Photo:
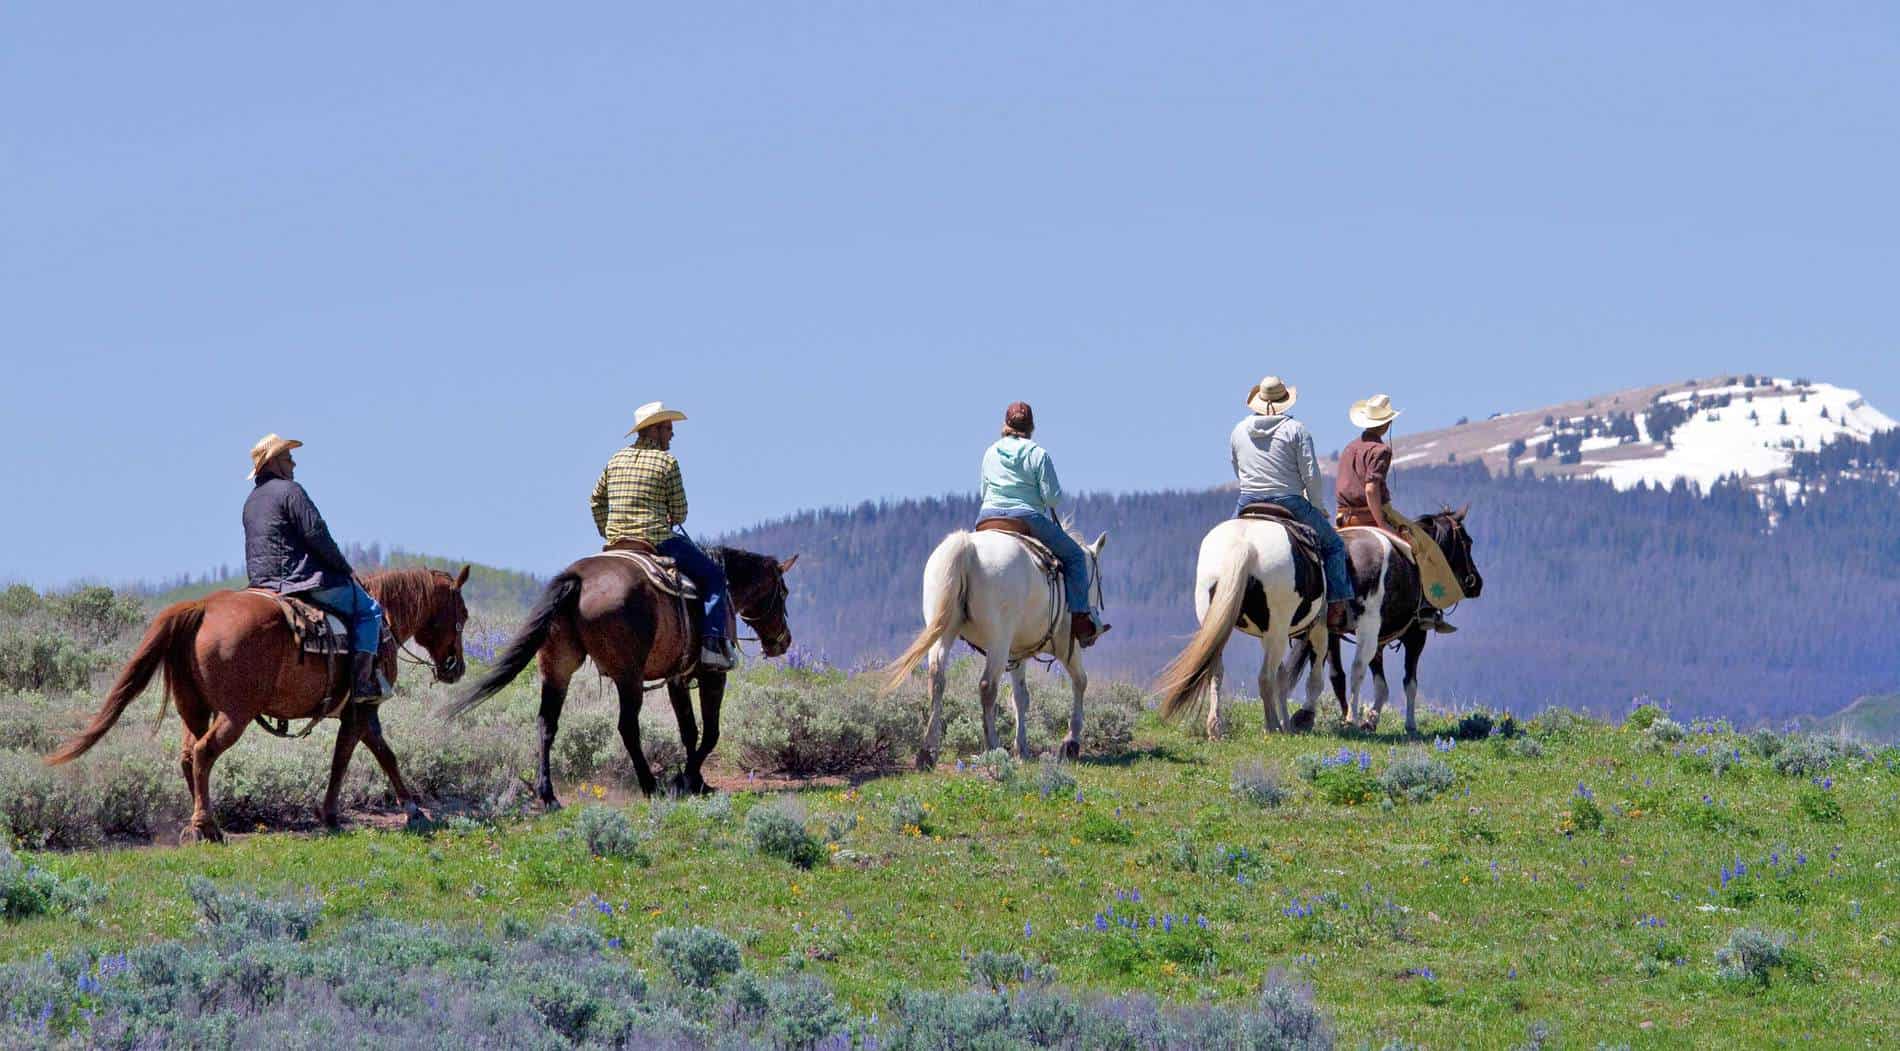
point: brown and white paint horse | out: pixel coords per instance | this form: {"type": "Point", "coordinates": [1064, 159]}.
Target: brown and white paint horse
{"type": "Point", "coordinates": [1386, 581]}
{"type": "Point", "coordinates": [229, 658]}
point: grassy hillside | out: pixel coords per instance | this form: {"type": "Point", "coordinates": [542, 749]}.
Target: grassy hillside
{"type": "Point", "coordinates": [1576, 876]}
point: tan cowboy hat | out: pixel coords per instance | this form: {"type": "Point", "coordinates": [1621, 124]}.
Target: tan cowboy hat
{"type": "Point", "coordinates": [1376, 411]}
{"type": "Point", "coordinates": [651, 413]}
{"type": "Point", "coordinates": [267, 447]}
{"type": "Point", "coordinates": [1270, 397]}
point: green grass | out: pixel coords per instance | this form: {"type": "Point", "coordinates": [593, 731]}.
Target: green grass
{"type": "Point", "coordinates": [1514, 919]}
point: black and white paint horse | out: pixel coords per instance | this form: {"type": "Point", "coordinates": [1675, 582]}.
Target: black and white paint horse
{"type": "Point", "coordinates": [1253, 577]}
{"type": "Point", "coordinates": [1386, 580]}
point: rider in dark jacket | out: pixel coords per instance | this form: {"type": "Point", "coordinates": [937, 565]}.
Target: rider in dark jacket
{"type": "Point", "coordinates": [288, 549]}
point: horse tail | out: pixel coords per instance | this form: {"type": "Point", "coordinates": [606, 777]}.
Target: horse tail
{"type": "Point", "coordinates": [1190, 673]}
{"type": "Point", "coordinates": [949, 572]}
{"type": "Point", "coordinates": [167, 644]}
{"type": "Point", "coordinates": [561, 597]}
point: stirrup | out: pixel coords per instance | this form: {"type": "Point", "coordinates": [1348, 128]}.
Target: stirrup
{"type": "Point", "coordinates": [716, 655]}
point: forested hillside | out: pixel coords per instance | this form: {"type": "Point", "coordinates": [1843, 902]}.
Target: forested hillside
{"type": "Point", "coordinates": [1592, 596]}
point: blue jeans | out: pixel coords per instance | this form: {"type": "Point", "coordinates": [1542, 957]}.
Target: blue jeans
{"type": "Point", "coordinates": [360, 611]}
{"type": "Point", "coordinates": [707, 576]}
{"type": "Point", "coordinates": [1332, 547]}
{"type": "Point", "coordinates": [1075, 561]}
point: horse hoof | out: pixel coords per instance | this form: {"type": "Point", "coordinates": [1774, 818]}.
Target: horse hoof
{"type": "Point", "coordinates": [195, 834]}
{"type": "Point", "coordinates": [1071, 749]}
{"type": "Point", "coordinates": [1303, 720]}
{"type": "Point", "coordinates": [417, 821]}
{"type": "Point", "coordinates": [331, 822]}
{"type": "Point", "coordinates": [549, 803]}
{"type": "Point", "coordinates": [926, 762]}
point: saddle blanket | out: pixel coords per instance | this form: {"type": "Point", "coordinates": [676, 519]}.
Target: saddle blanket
{"type": "Point", "coordinates": [1305, 541]}
{"type": "Point", "coordinates": [659, 569]}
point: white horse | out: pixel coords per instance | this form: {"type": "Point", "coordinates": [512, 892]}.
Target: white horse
{"type": "Point", "coordinates": [1249, 577]}
{"type": "Point", "coordinates": [986, 588]}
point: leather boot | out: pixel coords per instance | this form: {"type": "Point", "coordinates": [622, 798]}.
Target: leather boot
{"type": "Point", "coordinates": [1337, 614]}
{"type": "Point", "coordinates": [1084, 630]}
{"type": "Point", "coordinates": [368, 688]}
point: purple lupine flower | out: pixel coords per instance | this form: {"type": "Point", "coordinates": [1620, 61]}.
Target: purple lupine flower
{"type": "Point", "coordinates": [1202, 920]}
{"type": "Point", "coordinates": [1101, 922]}
{"type": "Point", "coordinates": [1028, 931]}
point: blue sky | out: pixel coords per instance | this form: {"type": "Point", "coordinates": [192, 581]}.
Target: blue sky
{"type": "Point", "coordinates": [452, 246]}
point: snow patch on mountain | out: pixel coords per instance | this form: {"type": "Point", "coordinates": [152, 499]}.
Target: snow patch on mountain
{"type": "Point", "coordinates": [1756, 434]}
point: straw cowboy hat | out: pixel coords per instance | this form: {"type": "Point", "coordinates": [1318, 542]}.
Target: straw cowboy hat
{"type": "Point", "coordinates": [267, 447]}
{"type": "Point", "coordinates": [651, 413]}
{"type": "Point", "coordinates": [1376, 411]}
{"type": "Point", "coordinates": [1270, 397]}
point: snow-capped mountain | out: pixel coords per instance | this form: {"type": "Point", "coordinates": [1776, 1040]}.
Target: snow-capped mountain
{"type": "Point", "coordinates": [1699, 430]}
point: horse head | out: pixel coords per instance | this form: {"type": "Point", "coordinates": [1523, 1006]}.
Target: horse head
{"type": "Point", "coordinates": [436, 615]}
{"type": "Point", "coordinates": [758, 590]}
{"type": "Point", "coordinates": [1448, 528]}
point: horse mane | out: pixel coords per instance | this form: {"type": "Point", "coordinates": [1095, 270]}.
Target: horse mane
{"type": "Point", "coordinates": [405, 594]}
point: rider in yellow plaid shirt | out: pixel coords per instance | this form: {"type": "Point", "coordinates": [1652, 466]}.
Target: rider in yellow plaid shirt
{"type": "Point", "coordinates": [640, 497]}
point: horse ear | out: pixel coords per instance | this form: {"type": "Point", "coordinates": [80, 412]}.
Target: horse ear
{"type": "Point", "coordinates": [1100, 543]}
{"type": "Point", "coordinates": [462, 577]}
{"type": "Point", "coordinates": [786, 566]}
{"type": "Point", "coordinates": [1460, 513]}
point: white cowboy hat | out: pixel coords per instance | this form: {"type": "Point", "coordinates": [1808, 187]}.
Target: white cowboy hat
{"type": "Point", "coordinates": [1270, 397]}
{"type": "Point", "coordinates": [267, 447]}
{"type": "Point", "coordinates": [1376, 411]}
{"type": "Point", "coordinates": [651, 413]}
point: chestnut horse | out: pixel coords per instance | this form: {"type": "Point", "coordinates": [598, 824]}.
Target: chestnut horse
{"type": "Point", "coordinates": [607, 607]}
{"type": "Point", "coordinates": [229, 658]}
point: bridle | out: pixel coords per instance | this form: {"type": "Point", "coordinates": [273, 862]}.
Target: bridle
{"type": "Point", "coordinates": [773, 605]}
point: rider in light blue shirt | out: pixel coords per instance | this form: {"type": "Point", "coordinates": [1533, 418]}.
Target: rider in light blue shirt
{"type": "Point", "coordinates": [1019, 481]}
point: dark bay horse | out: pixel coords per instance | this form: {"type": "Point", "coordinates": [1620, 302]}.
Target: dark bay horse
{"type": "Point", "coordinates": [229, 658]}
{"type": "Point", "coordinates": [1386, 579]}
{"type": "Point", "coordinates": [608, 608]}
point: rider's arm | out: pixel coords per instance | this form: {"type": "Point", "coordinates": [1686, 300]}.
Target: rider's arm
{"type": "Point", "coordinates": [675, 495]}
{"type": "Point", "coordinates": [1309, 471]}
{"type": "Point", "coordinates": [316, 534]}
{"type": "Point", "coordinates": [1046, 480]}
{"type": "Point", "coordinates": [1377, 506]}
{"type": "Point", "coordinates": [599, 503]}
{"type": "Point", "coordinates": [1378, 493]}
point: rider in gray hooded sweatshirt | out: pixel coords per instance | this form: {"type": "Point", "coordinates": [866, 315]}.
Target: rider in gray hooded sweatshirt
{"type": "Point", "coordinates": [1273, 458]}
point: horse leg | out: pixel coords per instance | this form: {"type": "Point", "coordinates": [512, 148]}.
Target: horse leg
{"type": "Point", "coordinates": [1380, 691]}
{"type": "Point", "coordinates": [712, 693]}
{"type": "Point", "coordinates": [1363, 652]}
{"type": "Point", "coordinates": [682, 698]}
{"type": "Point", "coordinates": [349, 731]}
{"type": "Point", "coordinates": [1303, 654]}
{"type": "Point", "coordinates": [372, 733]}
{"type": "Point", "coordinates": [1079, 680]}
{"type": "Point", "coordinates": [1414, 643]}
{"type": "Point", "coordinates": [1274, 648]}
{"type": "Point", "coordinates": [1336, 675]}
{"type": "Point", "coordinates": [632, 692]}
{"type": "Point", "coordinates": [1019, 695]}
{"type": "Point", "coordinates": [223, 733]}
{"type": "Point", "coordinates": [939, 665]}
{"type": "Point", "coordinates": [989, 686]}
{"type": "Point", "coordinates": [197, 722]}
{"type": "Point", "coordinates": [557, 667]}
